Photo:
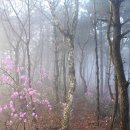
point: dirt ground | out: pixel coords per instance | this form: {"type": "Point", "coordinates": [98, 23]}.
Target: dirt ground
{"type": "Point", "coordinates": [83, 118]}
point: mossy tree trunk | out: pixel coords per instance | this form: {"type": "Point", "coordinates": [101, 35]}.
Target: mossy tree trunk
{"type": "Point", "coordinates": [68, 33]}
{"type": "Point", "coordinates": [71, 83]}
{"type": "Point", "coordinates": [56, 67]}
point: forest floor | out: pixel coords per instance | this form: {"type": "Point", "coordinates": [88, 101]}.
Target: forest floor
{"type": "Point", "coordinates": [83, 118]}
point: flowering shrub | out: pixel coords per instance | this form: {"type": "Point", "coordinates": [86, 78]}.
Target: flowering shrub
{"type": "Point", "coordinates": [24, 100]}
{"type": "Point", "coordinates": [20, 106]}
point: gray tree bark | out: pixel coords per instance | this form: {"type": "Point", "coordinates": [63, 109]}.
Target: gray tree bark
{"type": "Point", "coordinates": [118, 63]}
{"type": "Point", "coordinates": [101, 58]}
{"type": "Point", "coordinates": [97, 65]}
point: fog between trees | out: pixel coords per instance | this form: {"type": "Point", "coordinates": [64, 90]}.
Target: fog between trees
{"type": "Point", "coordinates": [58, 54]}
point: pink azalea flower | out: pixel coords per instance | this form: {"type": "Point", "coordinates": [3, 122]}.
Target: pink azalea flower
{"type": "Point", "coordinates": [4, 78]}
{"type": "Point", "coordinates": [33, 114]}
{"type": "Point", "coordinates": [25, 120]}
{"type": "Point", "coordinates": [1, 109]}
{"type": "Point", "coordinates": [15, 115]}
{"type": "Point", "coordinates": [5, 107]}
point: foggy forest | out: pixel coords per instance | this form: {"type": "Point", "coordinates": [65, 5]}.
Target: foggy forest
{"type": "Point", "coordinates": [64, 64]}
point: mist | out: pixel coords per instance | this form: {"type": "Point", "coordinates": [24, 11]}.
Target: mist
{"type": "Point", "coordinates": [64, 64]}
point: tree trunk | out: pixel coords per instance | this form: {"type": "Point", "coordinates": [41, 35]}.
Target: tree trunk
{"type": "Point", "coordinates": [81, 69]}
{"type": "Point", "coordinates": [56, 67]}
{"type": "Point", "coordinates": [118, 65]}
{"type": "Point", "coordinates": [97, 65]}
{"type": "Point", "coordinates": [123, 89]}
{"type": "Point", "coordinates": [115, 102]}
{"type": "Point", "coordinates": [71, 84]}
{"type": "Point", "coordinates": [64, 77]}
{"type": "Point", "coordinates": [16, 63]}
{"type": "Point", "coordinates": [129, 61]}
{"type": "Point", "coordinates": [101, 58]}
{"type": "Point", "coordinates": [108, 80]}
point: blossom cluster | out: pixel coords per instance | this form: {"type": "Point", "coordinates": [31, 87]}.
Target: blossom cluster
{"type": "Point", "coordinates": [20, 105]}
{"type": "Point", "coordinates": [22, 115]}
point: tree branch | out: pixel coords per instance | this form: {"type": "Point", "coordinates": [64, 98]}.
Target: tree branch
{"type": "Point", "coordinates": [103, 20]}
{"type": "Point", "coordinates": [56, 21]}
{"type": "Point", "coordinates": [128, 20]}
{"type": "Point", "coordinates": [13, 29]}
{"type": "Point", "coordinates": [18, 18]}
{"type": "Point", "coordinates": [75, 16]}
{"type": "Point", "coordinates": [108, 31]}
{"type": "Point", "coordinates": [125, 33]}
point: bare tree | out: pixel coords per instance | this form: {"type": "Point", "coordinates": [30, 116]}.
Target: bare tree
{"type": "Point", "coordinates": [81, 66]}
{"type": "Point", "coordinates": [68, 33]}
{"type": "Point", "coordinates": [97, 63]}
{"type": "Point", "coordinates": [115, 42]}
